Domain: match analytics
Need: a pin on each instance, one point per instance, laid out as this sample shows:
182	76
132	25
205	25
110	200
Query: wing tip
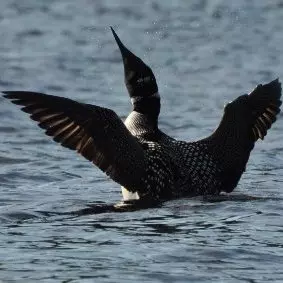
13	94
274	85
273	90
267	97
7	94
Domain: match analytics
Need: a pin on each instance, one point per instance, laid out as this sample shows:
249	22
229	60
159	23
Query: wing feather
95	132
265	103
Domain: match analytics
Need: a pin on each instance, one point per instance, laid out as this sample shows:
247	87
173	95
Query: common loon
150	165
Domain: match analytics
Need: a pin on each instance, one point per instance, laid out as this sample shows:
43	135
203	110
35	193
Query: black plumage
138	155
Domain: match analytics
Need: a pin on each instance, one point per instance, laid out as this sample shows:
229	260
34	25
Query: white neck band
138	98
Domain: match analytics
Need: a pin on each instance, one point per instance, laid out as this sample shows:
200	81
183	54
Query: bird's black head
139	78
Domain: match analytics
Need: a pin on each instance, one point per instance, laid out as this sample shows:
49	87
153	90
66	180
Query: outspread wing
96	133
265	104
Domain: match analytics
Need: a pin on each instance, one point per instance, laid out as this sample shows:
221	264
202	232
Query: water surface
204	54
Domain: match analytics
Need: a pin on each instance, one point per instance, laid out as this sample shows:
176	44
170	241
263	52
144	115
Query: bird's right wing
265	103
96	133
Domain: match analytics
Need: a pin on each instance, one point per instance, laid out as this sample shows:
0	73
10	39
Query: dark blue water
204	54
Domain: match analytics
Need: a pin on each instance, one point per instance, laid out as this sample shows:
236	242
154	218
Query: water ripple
54	206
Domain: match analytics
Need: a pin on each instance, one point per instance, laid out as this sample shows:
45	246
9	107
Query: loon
151	166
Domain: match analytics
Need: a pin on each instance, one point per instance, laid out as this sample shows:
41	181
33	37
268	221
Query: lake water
204	54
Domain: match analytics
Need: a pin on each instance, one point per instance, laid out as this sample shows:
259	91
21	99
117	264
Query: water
204	54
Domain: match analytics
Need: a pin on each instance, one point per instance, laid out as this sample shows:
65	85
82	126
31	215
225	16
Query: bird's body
179	168
148	164
174	168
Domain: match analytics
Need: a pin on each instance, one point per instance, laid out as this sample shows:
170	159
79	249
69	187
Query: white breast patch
127	195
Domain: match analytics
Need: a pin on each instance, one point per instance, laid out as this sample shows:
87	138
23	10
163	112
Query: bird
151	166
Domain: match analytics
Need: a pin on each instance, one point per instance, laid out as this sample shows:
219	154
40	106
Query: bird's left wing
95	132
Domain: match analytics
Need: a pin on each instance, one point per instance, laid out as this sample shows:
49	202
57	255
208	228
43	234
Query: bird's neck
140	124
148	106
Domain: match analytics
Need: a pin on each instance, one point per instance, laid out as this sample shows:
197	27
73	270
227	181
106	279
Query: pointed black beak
124	51
139	78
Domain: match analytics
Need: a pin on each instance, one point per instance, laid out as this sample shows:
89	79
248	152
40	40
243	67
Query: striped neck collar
136	99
